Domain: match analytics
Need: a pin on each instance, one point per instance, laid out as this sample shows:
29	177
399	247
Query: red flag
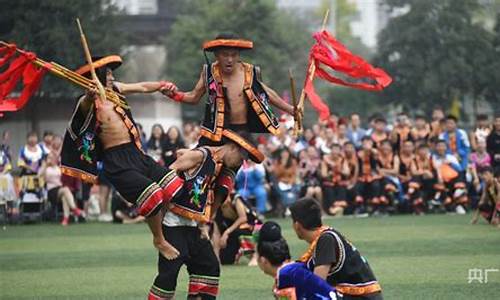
328	52
23	67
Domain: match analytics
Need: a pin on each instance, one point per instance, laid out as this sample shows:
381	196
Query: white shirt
172	220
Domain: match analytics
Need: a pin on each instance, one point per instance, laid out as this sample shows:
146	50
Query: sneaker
460	210
105	218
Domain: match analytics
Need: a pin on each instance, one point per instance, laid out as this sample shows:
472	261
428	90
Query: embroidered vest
260	117
350	274
194	200
82	148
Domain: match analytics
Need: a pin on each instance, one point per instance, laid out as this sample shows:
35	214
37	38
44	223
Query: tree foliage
48	28
436	52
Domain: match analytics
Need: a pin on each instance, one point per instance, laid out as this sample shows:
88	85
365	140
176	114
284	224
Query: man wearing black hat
237	101
103	132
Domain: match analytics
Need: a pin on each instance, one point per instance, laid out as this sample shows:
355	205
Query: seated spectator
335	174
46	143
450	178
406	158
172	142
368	187
457	142
31	156
424	177
352	160
5	144
437	123
250	181
124	211
285	172
51	173
389	165
234	221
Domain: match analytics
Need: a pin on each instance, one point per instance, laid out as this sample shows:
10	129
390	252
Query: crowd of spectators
410	165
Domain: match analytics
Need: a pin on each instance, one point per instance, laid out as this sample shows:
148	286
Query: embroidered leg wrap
149	201
156	293
171	184
206	286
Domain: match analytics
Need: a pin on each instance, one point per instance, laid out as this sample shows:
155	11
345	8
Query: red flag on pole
19	67
327	52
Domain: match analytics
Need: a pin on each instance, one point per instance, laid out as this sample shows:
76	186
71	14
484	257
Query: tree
48	28
435	52
281	41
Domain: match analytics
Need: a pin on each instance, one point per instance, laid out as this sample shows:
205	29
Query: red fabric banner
330	53
19	67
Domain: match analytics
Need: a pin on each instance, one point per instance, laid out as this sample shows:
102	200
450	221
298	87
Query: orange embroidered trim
358	290
243	44
257	156
309	252
79	174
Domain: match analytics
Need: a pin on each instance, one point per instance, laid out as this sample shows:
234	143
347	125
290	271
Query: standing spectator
342	134
481	131
173	141
142	136
437	122
7	189
5	144
46	143
480	158
379	133
31	156
421	130
156	143
354	132
493	143
309	163
334	173
51	173
401	131
457	141
250	182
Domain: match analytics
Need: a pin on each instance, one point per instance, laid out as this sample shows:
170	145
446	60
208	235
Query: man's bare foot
166	249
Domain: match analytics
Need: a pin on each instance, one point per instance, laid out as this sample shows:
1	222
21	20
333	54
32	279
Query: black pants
198	256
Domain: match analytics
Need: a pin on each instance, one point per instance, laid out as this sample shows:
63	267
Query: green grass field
413	257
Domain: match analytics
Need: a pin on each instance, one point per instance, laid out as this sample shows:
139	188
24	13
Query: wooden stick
311	71
102	92
294	100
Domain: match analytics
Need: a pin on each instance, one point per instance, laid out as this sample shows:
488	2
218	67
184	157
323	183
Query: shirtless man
104	132
237	99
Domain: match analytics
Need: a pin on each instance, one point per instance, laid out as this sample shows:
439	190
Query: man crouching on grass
331	256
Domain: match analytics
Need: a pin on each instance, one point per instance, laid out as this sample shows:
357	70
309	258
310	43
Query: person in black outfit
493	143
331	256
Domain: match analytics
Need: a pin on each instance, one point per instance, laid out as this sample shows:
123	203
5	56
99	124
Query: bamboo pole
312	69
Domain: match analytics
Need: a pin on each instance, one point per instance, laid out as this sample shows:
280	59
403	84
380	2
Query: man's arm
276	100
187	161
191	97
325	255
140	87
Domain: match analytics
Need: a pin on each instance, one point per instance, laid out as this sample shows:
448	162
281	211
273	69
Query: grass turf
413	258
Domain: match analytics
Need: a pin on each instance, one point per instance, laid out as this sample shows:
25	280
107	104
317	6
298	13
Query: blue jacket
462	146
